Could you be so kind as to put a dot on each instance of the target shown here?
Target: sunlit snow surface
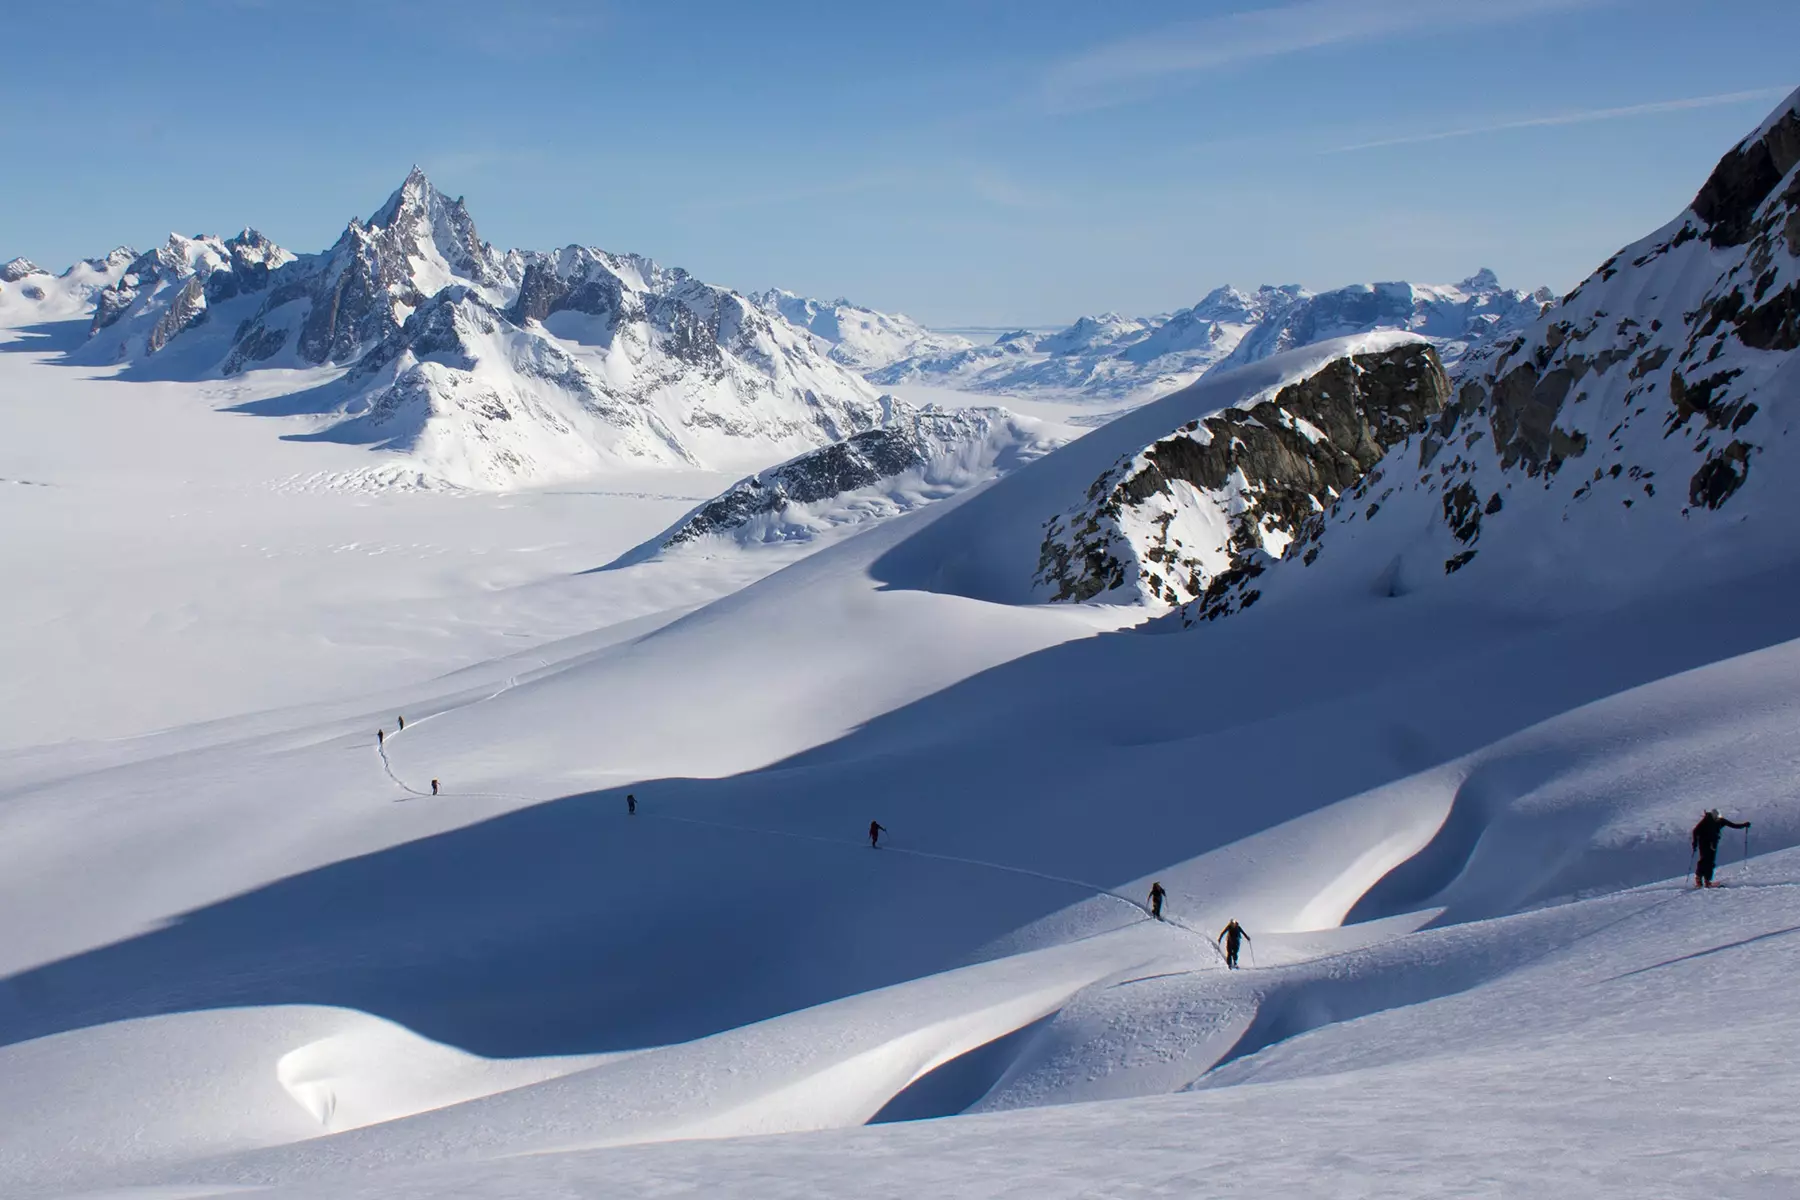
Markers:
(245, 946)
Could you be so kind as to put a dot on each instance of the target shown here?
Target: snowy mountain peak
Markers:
(433, 226)
(858, 337)
(18, 269)
(435, 230)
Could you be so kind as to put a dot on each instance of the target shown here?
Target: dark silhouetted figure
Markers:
(402, 721)
(630, 805)
(380, 736)
(1706, 844)
(1232, 935)
(1156, 899)
(876, 829)
(434, 787)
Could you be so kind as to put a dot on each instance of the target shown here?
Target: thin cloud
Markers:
(1581, 117)
(1131, 68)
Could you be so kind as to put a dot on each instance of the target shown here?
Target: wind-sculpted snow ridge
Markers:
(1111, 356)
(1166, 524)
(486, 369)
(1640, 426)
(860, 338)
(917, 456)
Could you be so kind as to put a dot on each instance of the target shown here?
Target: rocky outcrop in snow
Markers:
(917, 456)
(20, 268)
(1632, 430)
(172, 288)
(858, 337)
(1167, 523)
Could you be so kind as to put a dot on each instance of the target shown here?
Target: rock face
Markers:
(859, 337)
(20, 268)
(172, 288)
(1623, 426)
(918, 455)
(1163, 525)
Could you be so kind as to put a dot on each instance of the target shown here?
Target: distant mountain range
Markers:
(483, 368)
(860, 337)
(1113, 357)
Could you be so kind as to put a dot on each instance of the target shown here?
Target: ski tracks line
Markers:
(1082, 884)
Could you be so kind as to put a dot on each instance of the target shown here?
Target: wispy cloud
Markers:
(1132, 68)
(1579, 117)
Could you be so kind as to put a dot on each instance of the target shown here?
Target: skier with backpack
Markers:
(1231, 935)
(1156, 899)
(876, 829)
(630, 805)
(1705, 841)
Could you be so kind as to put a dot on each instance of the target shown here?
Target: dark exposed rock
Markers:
(908, 442)
(187, 309)
(1458, 562)
(1720, 476)
(1774, 325)
(1462, 512)
(256, 345)
(1744, 178)
(1284, 461)
(20, 268)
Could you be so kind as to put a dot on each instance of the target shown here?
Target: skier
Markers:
(1156, 899)
(434, 787)
(402, 721)
(1231, 935)
(630, 804)
(380, 737)
(876, 829)
(1706, 845)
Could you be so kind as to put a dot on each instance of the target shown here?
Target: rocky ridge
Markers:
(1165, 525)
(917, 455)
(1643, 418)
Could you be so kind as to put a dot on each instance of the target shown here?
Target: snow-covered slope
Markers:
(269, 952)
(1116, 357)
(917, 456)
(859, 337)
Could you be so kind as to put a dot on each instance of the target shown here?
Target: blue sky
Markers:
(978, 162)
